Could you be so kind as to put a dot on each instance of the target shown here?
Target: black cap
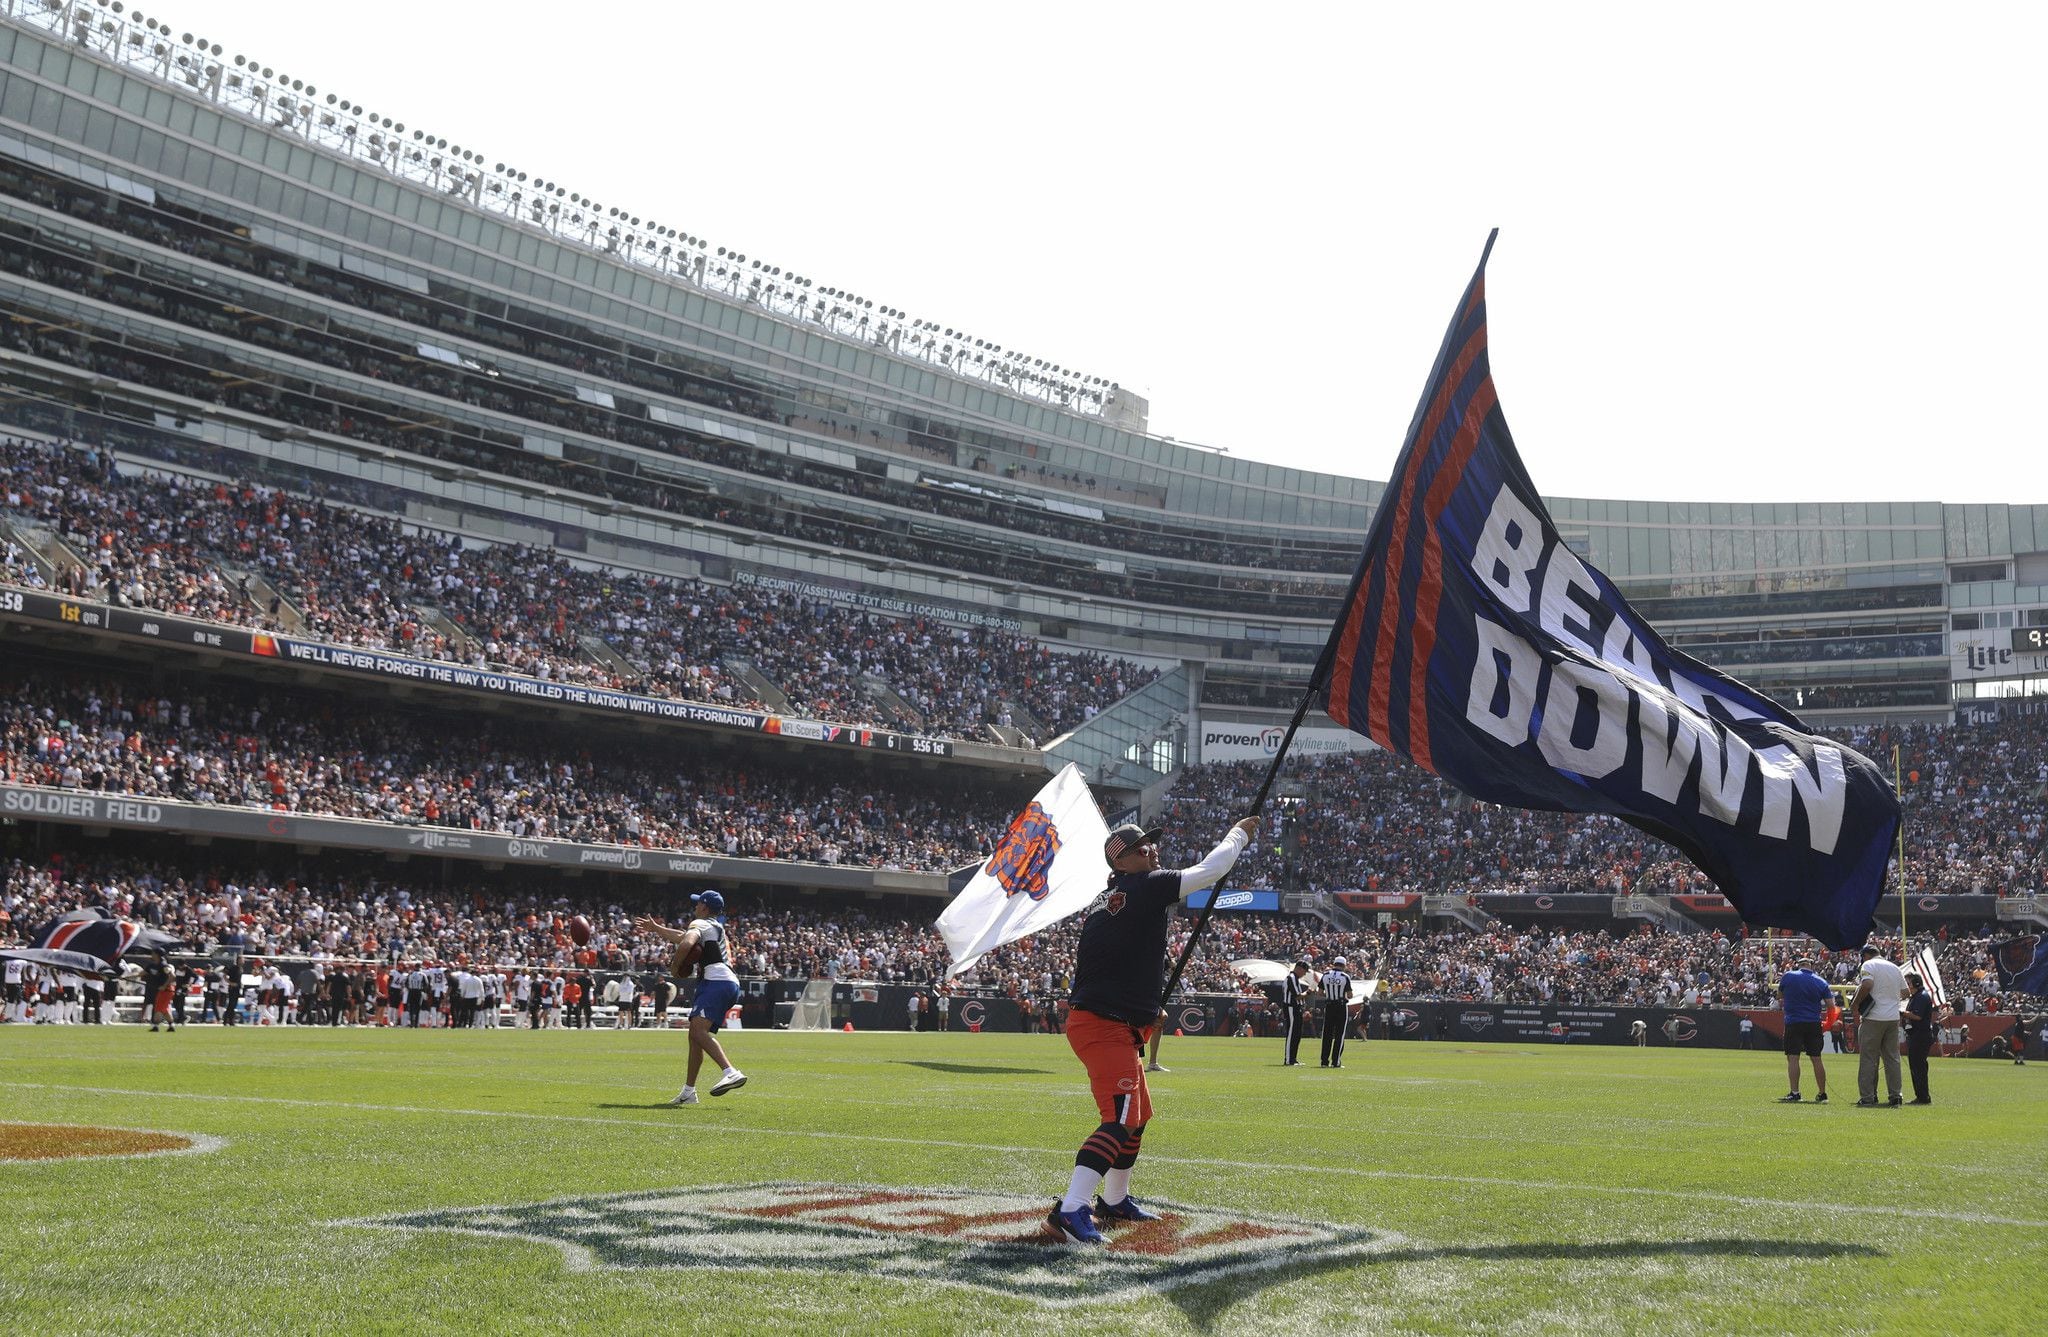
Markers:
(1127, 837)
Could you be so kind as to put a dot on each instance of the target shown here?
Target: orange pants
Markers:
(1114, 1053)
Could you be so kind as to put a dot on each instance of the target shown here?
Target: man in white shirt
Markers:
(523, 1000)
(271, 996)
(471, 986)
(1879, 990)
(629, 1002)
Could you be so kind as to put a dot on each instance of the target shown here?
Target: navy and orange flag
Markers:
(89, 941)
(1480, 647)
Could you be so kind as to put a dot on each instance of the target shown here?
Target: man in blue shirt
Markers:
(1805, 995)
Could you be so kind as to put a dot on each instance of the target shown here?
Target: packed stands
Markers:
(1975, 798)
(312, 752)
(359, 912)
(196, 548)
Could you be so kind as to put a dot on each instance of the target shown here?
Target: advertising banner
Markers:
(60, 611)
(881, 603)
(1988, 653)
(1225, 741)
(1226, 899)
(76, 808)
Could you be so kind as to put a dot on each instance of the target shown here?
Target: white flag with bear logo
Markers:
(1047, 866)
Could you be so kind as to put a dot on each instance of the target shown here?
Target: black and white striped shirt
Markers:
(1292, 989)
(1336, 986)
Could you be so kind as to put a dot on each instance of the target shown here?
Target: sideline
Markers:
(1200, 1162)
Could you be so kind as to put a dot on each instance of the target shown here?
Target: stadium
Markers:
(414, 574)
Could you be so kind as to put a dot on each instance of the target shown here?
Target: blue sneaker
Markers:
(1127, 1210)
(1075, 1227)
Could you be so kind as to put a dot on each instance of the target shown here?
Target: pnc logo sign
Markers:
(987, 1241)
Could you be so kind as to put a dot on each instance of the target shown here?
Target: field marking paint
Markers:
(196, 1144)
(1201, 1162)
(988, 1241)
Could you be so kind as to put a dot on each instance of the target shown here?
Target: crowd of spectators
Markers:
(1975, 796)
(313, 752)
(357, 912)
(198, 549)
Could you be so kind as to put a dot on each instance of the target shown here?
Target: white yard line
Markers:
(1475, 1181)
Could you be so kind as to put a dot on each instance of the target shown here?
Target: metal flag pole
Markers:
(1897, 780)
(1258, 806)
(1382, 514)
(1316, 679)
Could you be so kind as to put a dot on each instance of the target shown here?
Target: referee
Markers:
(1294, 988)
(1336, 1010)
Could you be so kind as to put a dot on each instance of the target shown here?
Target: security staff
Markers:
(1294, 988)
(1336, 1013)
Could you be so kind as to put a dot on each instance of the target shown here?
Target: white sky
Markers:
(1748, 252)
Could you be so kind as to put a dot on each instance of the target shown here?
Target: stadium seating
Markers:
(1976, 800)
(374, 350)
(294, 751)
(196, 549)
(357, 915)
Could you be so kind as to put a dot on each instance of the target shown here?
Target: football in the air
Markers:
(685, 959)
(579, 929)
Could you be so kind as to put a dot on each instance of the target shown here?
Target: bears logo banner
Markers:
(1047, 866)
(1477, 644)
(90, 942)
(2023, 964)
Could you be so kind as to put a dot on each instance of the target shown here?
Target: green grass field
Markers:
(1494, 1188)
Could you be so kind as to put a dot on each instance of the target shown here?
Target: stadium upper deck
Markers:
(211, 263)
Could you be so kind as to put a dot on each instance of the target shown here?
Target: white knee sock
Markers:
(1081, 1188)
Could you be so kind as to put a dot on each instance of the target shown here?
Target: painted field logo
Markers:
(989, 1241)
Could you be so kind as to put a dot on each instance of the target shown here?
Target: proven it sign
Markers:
(1222, 741)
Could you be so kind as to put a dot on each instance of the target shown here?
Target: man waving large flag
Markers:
(1479, 646)
(1047, 866)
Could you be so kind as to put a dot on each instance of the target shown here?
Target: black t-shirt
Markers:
(1920, 1005)
(1120, 966)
